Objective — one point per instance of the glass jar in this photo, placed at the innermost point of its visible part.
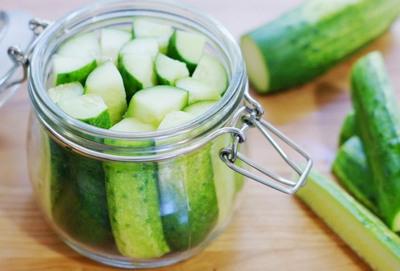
(159, 197)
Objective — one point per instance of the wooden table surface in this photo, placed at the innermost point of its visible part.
(271, 231)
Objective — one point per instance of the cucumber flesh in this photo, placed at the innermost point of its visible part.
(357, 226)
(84, 45)
(106, 82)
(142, 46)
(65, 91)
(152, 104)
(88, 108)
(211, 72)
(169, 70)
(145, 28)
(175, 119)
(111, 41)
(187, 47)
(199, 108)
(198, 91)
(68, 69)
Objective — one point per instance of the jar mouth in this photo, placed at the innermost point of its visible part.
(106, 13)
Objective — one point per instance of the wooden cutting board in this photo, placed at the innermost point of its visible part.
(270, 231)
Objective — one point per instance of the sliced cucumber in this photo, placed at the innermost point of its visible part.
(145, 28)
(66, 91)
(199, 108)
(68, 69)
(106, 82)
(84, 45)
(187, 47)
(169, 70)
(137, 73)
(198, 91)
(152, 104)
(111, 41)
(174, 119)
(212, 72)
(143, 46)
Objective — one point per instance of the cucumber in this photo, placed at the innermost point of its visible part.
(348, 128)
(169, 70)
(133, 201)
(187, 47)
(152, 104)
(146, 28)
(65, 91)
(111, 41)
(351, 168)
(376, 114)
(67, 69)
(307, 41)
(189, 205)
(357, 226)
(88, 108)
(199, 108)
(143, 46)
(84, 45)
(210, 71)
(106, 82)
(198, 91)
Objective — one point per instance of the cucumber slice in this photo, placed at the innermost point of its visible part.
(133, 201)
(199, 108)
(137, 72)
(169, 70)
(66, 91)
(145, 28)
(357, 226)
(88, 108)
(68, 69)
(106, 82)
(187, 47)
(175, 119)
(212, 72)
(152, 104)
(143, 46)
(84, 45)
(111, 41)
(198, 91)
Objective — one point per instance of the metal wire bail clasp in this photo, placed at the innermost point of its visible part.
(251, 117)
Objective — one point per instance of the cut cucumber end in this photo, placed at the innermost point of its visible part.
(68, 69)
(111, 41)
(198, 91)
(83, 45)
(145, 28)
(175, 119)
(65, 91)
(169, 70)
(256, 67)
(141, 46)
(200, 108)
(132, 125)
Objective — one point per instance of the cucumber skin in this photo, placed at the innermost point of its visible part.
(379, 128)
(76, 76)
(101, 121)
(352, 170)
(349, 128)
(321, 192)
(133, 204)
(130, 83)
(297, 49)
(196, 203)
(173, 53)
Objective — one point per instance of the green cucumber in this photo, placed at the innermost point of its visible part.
(376, 115)
(133, 200)
(187, 47)
(65, 91)
(169, 70)
(199, 108)
(67, 69)
(351, 168)
(146, 28)
(106, 82)
(111, 41)
(210, 71)
(142, 46)
(152, 104)
(84, 45)
(348, 128)
(357, 226)
(307, 41)
(175, 118)
(198, 91)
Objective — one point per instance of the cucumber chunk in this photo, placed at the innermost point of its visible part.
(133, 201)
(198, 91)
(67, 69)
(65, 91)
(152, 104)
(142, 46)
(88, 108)
(84, 45)
(106, 82)
(199, 108)
(187, 47)
(169, 70)
(174, 119)
(137, 72)
(111, 41)
(145, 28)
(212, 72)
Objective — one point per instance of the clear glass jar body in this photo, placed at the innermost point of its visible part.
(133, 205)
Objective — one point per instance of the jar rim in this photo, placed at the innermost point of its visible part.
(232, 96)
